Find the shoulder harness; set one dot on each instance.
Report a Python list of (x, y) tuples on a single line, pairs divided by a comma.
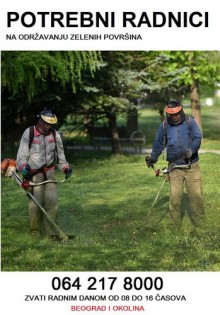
[(31, 135), (31, 138)]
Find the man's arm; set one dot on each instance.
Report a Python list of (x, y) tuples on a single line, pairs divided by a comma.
[(23, 151), (196, 136), (62, 164)]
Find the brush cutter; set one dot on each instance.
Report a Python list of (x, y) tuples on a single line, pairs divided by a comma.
[(164, 172), (61, 236)]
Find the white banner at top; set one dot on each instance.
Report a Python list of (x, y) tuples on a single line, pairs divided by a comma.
[(113, 25)]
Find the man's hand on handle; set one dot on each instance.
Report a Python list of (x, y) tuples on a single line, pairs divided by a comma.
[(68, 171), (149, 161)]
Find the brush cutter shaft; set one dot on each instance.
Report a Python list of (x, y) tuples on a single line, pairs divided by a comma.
[(52, 223), (156, 198)]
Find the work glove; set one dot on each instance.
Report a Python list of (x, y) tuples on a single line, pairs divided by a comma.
[(188, 153), (149, 161), (68, 171), (26, 172)]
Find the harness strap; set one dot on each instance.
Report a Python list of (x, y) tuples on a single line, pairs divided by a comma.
[(43, 170), (31, 138), (31, 135)]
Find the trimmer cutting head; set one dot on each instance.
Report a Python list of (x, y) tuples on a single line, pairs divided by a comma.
[(63, 239)]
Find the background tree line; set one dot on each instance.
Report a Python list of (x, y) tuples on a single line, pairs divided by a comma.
[(97, 85)]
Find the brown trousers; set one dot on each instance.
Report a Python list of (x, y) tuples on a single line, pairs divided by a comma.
[(192, 180), (47, 196)]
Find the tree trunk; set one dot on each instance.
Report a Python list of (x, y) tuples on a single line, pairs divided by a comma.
[(195, 103), (132, 121), (194, 91), (115, 142)]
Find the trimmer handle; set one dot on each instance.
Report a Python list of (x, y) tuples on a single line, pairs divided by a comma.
[(150, 164), (149, 161), (147, 158)]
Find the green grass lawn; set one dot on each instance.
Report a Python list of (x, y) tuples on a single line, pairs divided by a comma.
[(105, 205)]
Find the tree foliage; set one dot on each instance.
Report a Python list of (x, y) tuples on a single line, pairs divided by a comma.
[(113, 91), (28, 72), (33, 80), (174, 74), (99, 84), (199, 67)]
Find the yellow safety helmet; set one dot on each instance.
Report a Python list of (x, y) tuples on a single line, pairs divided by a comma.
[(48, 116)]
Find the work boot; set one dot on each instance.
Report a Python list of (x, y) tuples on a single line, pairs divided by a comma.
[(35, 234)]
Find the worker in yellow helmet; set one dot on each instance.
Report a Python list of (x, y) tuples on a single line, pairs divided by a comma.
[(40, 150)]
